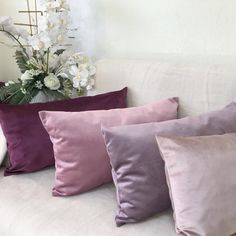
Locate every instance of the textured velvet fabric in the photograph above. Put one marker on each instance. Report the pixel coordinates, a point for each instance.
(82, 162)
(138, 170)
(202, 182)
(29, 146)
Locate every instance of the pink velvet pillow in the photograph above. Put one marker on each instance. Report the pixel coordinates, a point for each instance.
(202, 182)
(80, 153)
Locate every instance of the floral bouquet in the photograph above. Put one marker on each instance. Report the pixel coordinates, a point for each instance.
(46, 66)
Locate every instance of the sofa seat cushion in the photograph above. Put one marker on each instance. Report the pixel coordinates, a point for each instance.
(27, 208)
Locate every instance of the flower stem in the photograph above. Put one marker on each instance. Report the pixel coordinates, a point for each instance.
(48, 51)
(17, 40)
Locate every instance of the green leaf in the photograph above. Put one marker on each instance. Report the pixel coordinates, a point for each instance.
(13, 94)
(21, 61)
(29, 96)
(59, 52)
(7, 92)
(57, 95)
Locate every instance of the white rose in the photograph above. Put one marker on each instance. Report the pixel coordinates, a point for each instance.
(52, 82)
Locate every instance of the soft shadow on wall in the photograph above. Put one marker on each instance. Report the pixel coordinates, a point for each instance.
(143, 28)
(86, 18)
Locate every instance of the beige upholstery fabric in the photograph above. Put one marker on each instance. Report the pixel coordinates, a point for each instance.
(26, 205)
(27, 208)
(201, 86)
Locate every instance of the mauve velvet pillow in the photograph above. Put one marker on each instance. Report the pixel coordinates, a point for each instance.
(138, 169)
(202, 182)
(81, 159)
(29, 146)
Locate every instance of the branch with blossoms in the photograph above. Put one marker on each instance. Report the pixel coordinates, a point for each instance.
(45, 65)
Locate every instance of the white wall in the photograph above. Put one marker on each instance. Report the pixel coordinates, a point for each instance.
(8, 68)
(136, 28)
(170, 26)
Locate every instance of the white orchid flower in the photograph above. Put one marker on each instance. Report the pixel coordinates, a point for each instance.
(35, 72)
(26, 76)
(81, 76)
(24, 34)
(76, 83)
(73, 70)
(64, 56)
(29, 75)
(64, 19)
(63, 75)
(40, 41)
(57, 36)
(53, 60)
(52, 5)
(92, 70)
(53, 21)
(91, 84)
(6, 21)
(81, 58)
(64, 5)
(84, 83)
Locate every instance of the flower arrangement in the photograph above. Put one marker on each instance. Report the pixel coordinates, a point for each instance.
(45, 64)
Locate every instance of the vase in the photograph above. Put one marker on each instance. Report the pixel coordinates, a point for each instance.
(42, 97)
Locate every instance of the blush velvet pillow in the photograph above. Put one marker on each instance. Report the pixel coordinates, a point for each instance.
(29, 146)
(138, 169)
(202, 182)
(81, 159)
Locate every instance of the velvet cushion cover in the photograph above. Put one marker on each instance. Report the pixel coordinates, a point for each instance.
(202, 182)
(137, 167)
(82, 162)
(29, 146)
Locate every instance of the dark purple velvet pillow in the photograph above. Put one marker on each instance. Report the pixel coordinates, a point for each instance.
(29, 146)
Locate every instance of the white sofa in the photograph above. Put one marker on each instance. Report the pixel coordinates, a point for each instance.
(27, 207)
